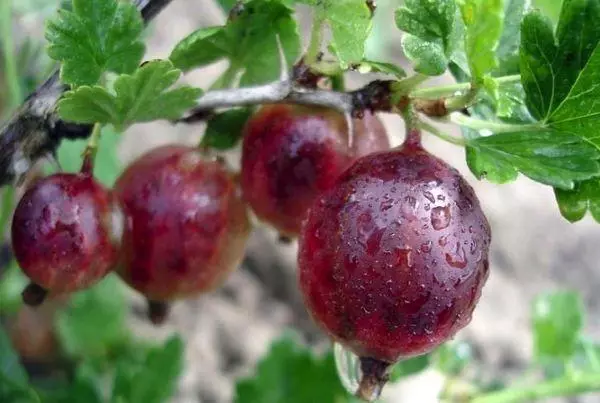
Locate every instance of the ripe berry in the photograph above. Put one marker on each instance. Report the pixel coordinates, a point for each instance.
(186, 226)
(392, 259)
(66, 233)
(293, 153)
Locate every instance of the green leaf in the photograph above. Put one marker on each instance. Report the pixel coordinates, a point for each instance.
(14, 386)
(431, 30)
(587, 356)
(227, 5)
(508, 46)
(157, 379)
(552, 158)
(12, 283)
(248, 41)
(557, 320)
(292, 374)
(94, 322)
(452, 357)
(428, 57)
(203, 47)
(97, 36)
(226, 129)
(483, 20)
(141, 97)
(575, 203)
(350, 22)
(550, 67)
(410, 367)
(106, 165)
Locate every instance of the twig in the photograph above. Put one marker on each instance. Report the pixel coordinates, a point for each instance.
(35, 129)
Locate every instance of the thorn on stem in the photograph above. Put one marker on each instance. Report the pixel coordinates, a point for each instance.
(285, 68)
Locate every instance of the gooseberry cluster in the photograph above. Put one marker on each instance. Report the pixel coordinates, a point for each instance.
(393, 244)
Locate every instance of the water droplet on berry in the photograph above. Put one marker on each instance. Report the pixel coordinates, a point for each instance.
(404, 257)
(458, 258)
(429, 196)
(440, 217)
(443, 241)
(426, 247)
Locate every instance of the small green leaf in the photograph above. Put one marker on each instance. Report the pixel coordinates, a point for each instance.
(291, 374)
(203, 47)
(429, 57)
(157, 379)
(226, 129)
(452, 357)
(106, 165)
(552, 158)
(557, 322)
(431, 33)
(94, 322)
(483, 20)
(141, 97)
(350, 23)
(410, 367)
(96, 36)
(574, 204)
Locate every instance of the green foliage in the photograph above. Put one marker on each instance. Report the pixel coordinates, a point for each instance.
(557, 323)
(94, 37)
(142, 97)
(431, 33)
(575, 203)
(555, 159)
(248, 41)
(284, 375)
(226, 129)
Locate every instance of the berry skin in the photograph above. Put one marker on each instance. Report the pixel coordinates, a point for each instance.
(392, 259)
(66, 233)
(293, 153)
(186, 226)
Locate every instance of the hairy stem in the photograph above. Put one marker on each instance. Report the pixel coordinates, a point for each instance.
(555, 388)
(495, 127)
(15, 95)
(452, 89)
(461, 142)
(89, 154)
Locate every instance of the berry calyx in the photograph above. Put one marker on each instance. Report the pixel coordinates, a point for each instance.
(186, 225)
(66, 234)
(392, 258)
(293, 153)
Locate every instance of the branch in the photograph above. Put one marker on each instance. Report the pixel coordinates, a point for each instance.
(35, 130)
(375, 96)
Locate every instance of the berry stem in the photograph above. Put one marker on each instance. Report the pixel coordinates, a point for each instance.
(375, 375)
(10, 63)
(452, 89)
(90, 151)
(495, 127)
(413, 130)
(158, 312)
(34, 295)
(458, 141)
(567, 386)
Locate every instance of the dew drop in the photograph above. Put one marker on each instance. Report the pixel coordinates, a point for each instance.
(386, 204)
(441, 198)
(440, 217)
(404, 257)
(426, 247)
(429, 196)
(443, 241)
(457, 259)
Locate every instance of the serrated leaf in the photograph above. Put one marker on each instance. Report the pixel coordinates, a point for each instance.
(142, 97)
(428, 57)
(157, 379)
(557, 320)
(292, 374)
(226, 129)
(483, 20)
(106, 164)
(202, 47)
(550, 67)
(556, 159)
(96, 36)
(574, 204)
(508, 46)
(94, 322)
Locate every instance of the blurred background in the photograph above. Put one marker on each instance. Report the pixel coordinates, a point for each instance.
(226, 333)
